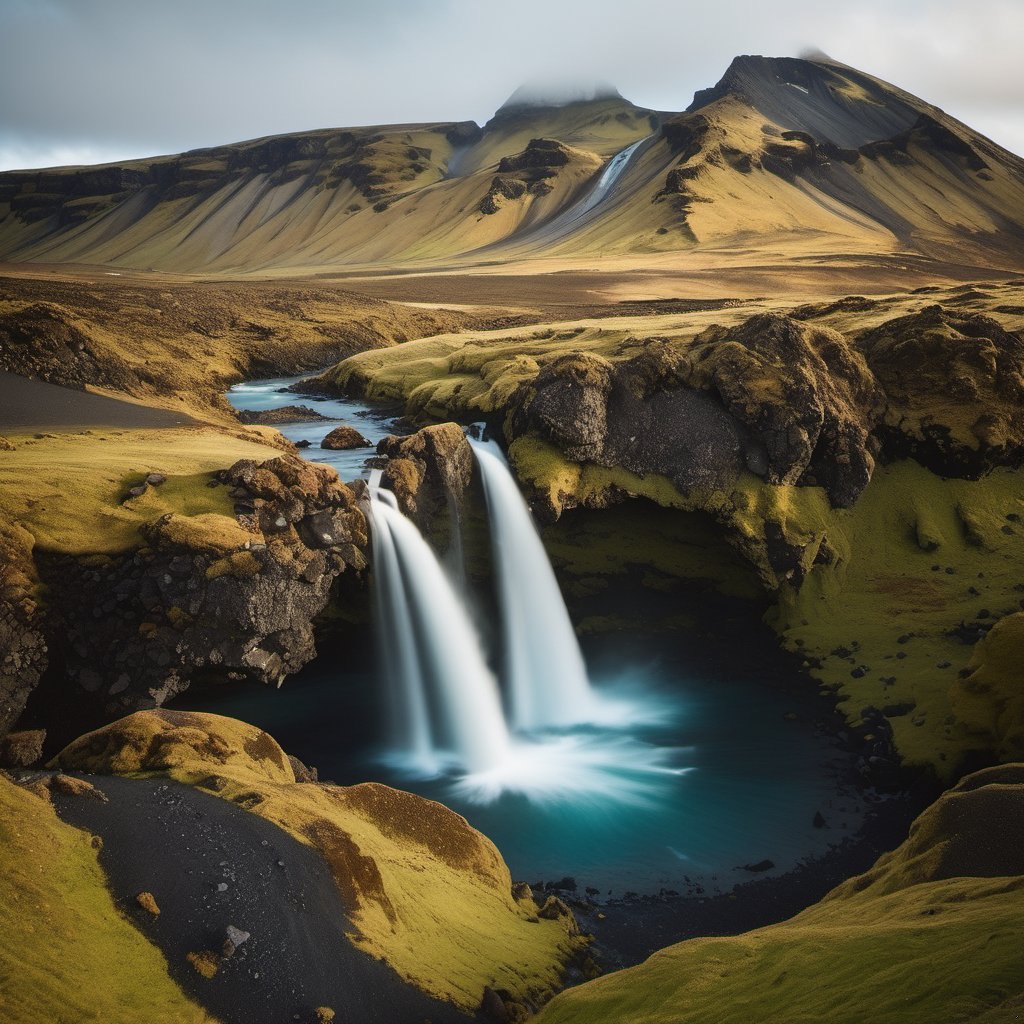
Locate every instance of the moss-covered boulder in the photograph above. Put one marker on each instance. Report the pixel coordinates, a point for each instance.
(954, 389)
(804, 393)
(422, 889)
(990, 699)
(790, 403)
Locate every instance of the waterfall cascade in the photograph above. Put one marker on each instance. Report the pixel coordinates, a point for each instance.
(542, 666)
(446, 698)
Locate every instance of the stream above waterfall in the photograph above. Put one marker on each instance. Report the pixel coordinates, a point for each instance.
(686, 769)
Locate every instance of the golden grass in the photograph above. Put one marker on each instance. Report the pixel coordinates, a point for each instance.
(67, 489)
(67, 954)
(425, 892)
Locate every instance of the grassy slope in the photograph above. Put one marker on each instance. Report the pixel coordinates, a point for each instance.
(427, 893)
(308, 214)
(66, 489)
(68, 956)
(180, 345)
(931, 933)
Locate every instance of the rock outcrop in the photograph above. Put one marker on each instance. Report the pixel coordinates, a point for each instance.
(428, 472)
(282, 414)
(954, 388)
(210, 592)
(23, 648)
(785, 401)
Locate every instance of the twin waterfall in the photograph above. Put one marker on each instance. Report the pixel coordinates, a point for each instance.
(448, 709)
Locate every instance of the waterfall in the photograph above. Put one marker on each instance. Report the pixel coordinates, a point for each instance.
(445, 697)
(543, 667)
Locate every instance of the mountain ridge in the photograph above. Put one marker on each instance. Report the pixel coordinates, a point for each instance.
(786, 157)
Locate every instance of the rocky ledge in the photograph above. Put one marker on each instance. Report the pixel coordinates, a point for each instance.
(235, 595)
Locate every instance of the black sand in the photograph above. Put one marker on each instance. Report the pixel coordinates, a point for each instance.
(181, 844)
(33, 404)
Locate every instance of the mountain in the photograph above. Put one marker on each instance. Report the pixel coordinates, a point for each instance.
(783, 158)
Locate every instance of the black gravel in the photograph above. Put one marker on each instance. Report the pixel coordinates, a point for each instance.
(27, 404)
(210, 864)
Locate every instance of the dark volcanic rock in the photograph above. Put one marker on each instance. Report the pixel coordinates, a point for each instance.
(282, 414)
(788, 402)
(23, 648)
(429, 472)
(210, 593)
(954, 387)
(803, 392)
(344, 438)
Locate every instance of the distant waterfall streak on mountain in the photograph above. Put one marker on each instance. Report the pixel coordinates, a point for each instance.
(543, 667)
(606, 182)
(609, 176)
(433, 651)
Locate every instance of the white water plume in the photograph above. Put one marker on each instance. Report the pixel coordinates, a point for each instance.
(543, 666)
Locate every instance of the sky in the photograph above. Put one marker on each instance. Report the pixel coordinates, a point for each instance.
(85, 81)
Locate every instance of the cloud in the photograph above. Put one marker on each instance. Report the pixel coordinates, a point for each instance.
(129, 77)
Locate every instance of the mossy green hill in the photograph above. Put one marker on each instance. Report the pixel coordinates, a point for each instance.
(930, 933)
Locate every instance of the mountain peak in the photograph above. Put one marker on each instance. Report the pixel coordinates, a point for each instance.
(558, 93)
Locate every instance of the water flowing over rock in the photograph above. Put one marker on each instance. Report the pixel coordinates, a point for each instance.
(446, 699)
(543, 667)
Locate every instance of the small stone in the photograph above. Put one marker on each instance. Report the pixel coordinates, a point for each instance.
(222, 887)
(324, 1015)
(819, 820)
(205, 962)
(235, 937)
(943, 664)
(147, 901)
(156, 479)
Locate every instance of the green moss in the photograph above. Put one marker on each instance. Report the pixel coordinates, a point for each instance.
(990, 700)
(67, 954)
(930, 933)
(423, 890)
(886, 586)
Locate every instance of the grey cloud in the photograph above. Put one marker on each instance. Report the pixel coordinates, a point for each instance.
(94, 79)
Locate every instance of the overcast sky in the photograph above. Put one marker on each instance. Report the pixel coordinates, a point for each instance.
(83, 81)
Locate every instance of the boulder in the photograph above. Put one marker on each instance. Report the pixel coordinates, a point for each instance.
(344, 439)
(954, 390)
(804, 395)
(22, 749)
(428, 472)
